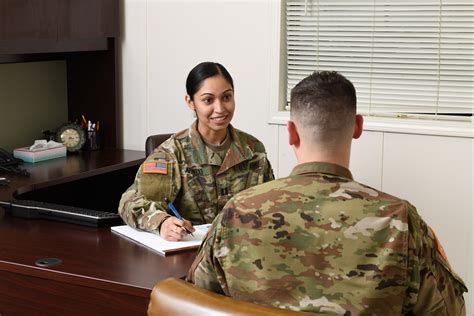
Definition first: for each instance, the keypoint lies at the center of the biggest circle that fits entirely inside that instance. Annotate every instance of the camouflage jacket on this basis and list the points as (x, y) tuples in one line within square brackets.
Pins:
[(318, 241), (195, 178)]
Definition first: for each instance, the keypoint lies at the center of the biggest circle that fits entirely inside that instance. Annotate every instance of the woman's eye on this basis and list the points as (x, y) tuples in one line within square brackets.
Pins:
[(207, 101), (228, 97)]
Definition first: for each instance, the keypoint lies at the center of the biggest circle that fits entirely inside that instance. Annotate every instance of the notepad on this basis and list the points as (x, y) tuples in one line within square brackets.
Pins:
[(156, 243)]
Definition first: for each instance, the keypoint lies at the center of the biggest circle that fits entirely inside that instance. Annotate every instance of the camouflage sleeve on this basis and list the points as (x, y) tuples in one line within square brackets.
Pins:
[(268, 171), (259, 148), (142, 206), (433, 287), (268, 175), (206, 271)]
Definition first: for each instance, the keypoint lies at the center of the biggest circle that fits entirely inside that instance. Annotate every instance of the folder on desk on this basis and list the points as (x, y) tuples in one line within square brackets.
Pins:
[(155, 242)]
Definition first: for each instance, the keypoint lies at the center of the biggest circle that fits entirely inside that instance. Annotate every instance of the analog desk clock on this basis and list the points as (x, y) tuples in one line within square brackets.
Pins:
[(72, 136)]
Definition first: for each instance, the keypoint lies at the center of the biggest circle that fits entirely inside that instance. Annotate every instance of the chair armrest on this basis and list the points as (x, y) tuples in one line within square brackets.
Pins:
[(177, 297)]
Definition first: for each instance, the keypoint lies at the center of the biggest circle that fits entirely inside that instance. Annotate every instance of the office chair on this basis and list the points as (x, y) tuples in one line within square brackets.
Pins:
[(174, 296), (154, 141)]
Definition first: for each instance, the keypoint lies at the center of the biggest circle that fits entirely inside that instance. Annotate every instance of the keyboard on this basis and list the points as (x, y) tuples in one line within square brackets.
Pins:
[(63, 213)]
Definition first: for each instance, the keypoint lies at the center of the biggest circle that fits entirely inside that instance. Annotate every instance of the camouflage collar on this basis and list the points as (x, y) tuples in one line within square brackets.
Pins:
[(321, 167), (238, 151)]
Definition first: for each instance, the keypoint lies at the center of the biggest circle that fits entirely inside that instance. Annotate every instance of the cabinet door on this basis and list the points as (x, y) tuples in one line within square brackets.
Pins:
[(28, 20), (83, 19), (58, 19)]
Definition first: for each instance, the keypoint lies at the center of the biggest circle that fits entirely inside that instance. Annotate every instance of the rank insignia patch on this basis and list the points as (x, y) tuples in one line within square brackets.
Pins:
[(155, 167)]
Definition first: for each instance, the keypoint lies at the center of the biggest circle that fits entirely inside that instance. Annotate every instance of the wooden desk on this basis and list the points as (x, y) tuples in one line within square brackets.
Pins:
[(91, 179), (101, 274)]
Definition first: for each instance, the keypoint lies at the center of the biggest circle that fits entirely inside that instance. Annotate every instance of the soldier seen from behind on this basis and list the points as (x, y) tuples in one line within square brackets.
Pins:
[(319, 241)]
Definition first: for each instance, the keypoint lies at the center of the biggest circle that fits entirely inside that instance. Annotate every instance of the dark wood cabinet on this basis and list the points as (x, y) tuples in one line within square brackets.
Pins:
[(57, 23), (101, 273), (83, 33)]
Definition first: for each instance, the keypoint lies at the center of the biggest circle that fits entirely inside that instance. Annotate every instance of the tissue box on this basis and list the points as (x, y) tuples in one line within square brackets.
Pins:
[(39, 155)]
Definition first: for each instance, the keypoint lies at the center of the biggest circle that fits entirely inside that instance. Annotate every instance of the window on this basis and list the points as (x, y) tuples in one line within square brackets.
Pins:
[(405, 57)]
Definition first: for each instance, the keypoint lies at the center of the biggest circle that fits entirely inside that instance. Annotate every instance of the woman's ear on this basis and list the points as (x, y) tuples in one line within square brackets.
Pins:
[(358, 126), (293, 136), (189, 102)]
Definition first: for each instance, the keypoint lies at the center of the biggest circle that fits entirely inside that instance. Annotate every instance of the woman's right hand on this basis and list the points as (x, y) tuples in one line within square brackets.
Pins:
[(173, 229)]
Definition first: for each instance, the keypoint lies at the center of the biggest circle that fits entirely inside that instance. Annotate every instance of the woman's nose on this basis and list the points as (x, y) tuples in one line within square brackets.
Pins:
[(218, 106)]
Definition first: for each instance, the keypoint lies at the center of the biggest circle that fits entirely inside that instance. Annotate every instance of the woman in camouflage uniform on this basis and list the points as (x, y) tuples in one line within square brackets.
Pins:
[(199, 169)]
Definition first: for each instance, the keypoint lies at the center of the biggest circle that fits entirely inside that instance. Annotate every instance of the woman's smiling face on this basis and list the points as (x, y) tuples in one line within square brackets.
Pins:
[(214, 105)]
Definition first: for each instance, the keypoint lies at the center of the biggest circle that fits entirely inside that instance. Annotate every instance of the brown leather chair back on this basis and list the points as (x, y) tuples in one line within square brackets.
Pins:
[(154, 141), (177, 297)]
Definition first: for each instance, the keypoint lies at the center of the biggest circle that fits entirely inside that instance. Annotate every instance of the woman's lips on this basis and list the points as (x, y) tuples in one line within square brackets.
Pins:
[(219, 119)]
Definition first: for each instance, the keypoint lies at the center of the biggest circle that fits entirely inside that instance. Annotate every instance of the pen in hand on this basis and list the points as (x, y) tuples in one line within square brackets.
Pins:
[(176, 213)]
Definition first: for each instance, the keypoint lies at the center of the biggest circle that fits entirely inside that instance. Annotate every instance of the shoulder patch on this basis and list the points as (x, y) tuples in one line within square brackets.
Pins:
[(160, 167), (439, 246)]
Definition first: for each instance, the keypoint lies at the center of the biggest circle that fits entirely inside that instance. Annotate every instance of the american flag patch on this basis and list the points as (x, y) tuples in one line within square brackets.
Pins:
[(155, 167)]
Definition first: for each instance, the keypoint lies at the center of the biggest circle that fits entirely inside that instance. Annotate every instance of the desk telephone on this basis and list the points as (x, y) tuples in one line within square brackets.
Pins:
[(7, 159), (9, 164)]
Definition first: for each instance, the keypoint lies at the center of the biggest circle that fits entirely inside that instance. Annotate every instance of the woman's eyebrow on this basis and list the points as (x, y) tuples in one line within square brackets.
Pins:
[(211, 94), (206, 93)]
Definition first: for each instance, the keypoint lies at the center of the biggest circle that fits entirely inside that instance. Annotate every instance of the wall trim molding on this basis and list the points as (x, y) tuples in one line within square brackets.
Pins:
[(402, 125)]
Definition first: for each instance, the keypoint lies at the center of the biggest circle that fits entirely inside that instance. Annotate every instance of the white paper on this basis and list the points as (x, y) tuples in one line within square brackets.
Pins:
[(157, 243)]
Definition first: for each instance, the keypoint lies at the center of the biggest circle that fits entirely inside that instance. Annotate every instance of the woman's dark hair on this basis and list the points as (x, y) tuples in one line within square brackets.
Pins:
[(203, 71)]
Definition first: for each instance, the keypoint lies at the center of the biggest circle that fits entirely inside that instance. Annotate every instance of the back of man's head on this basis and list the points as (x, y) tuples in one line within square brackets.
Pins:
[(323, 105)]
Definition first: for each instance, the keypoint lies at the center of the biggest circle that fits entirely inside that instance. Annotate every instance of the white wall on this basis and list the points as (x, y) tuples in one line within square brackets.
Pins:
[(434, 173), (163, 40)]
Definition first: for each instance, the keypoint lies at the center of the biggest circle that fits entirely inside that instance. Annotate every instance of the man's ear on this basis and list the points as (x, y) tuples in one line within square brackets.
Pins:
[(358, 126), (189, 102), (293, 136)]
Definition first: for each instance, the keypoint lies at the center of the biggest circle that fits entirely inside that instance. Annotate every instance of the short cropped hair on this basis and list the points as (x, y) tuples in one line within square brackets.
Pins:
[(325, 105)]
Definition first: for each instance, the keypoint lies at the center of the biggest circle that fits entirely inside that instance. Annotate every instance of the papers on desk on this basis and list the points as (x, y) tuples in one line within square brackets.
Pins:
[(155, 242)]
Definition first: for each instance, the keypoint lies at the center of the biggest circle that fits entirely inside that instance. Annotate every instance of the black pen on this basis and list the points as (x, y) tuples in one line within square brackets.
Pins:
[(176, 213)]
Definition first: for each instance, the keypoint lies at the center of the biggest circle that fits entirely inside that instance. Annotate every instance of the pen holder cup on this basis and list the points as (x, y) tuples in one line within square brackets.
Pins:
[(93, 140)]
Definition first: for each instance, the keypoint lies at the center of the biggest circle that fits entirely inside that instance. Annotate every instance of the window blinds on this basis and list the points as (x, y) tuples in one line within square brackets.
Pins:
[(409, 56)]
